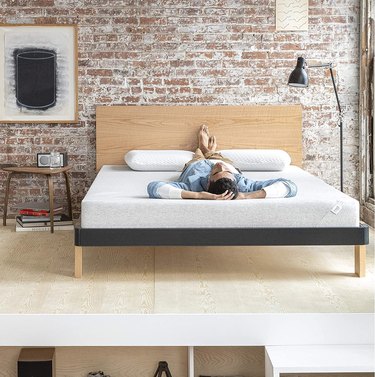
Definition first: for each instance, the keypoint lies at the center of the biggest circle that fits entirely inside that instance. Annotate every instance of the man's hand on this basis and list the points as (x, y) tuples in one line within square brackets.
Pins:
[(203, 195), (226, 195)]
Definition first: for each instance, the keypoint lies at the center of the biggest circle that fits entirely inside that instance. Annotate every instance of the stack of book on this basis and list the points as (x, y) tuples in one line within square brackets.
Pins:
[(38, 220)]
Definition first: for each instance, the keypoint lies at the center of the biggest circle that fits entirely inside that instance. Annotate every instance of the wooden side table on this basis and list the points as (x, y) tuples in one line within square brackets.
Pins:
[(49, 172)]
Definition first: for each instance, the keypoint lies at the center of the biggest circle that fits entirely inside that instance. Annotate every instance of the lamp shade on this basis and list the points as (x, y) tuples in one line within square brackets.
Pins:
[(299, 78)]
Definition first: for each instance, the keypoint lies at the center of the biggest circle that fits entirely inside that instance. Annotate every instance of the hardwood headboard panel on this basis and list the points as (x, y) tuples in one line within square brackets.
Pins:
[(123, 128)]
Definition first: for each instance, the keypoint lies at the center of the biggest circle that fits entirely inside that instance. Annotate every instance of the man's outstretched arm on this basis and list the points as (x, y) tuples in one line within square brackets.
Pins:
[(260, 194), (166, 190), (272, 188)]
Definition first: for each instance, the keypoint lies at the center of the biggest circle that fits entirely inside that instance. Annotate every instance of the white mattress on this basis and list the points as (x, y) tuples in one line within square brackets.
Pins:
[(118, 199)]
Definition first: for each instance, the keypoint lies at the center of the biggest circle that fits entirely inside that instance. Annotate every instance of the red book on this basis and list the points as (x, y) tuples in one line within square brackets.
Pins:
[(38, 212), (31, 212)]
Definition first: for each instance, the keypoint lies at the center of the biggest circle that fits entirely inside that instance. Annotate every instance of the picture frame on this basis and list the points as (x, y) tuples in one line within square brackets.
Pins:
[(38, 73), (292, 15)]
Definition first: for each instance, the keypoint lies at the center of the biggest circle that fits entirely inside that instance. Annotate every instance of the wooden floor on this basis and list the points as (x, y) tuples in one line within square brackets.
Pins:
[(36, 276)]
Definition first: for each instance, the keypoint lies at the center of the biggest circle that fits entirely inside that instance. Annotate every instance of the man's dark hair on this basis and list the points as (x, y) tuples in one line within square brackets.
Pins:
[(222, 185)]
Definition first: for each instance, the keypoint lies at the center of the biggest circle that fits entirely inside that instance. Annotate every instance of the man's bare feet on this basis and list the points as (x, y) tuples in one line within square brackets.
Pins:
[(203, 138), (212, 144)]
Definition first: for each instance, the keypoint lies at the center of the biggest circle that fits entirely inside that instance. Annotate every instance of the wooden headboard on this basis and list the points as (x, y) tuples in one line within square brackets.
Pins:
[(123, 128)]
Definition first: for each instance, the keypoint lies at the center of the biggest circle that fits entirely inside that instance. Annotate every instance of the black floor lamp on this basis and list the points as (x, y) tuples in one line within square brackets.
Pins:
[(299, 79)]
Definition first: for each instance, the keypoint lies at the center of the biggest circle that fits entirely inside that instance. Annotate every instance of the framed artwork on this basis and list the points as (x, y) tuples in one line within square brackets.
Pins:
[(292, 15), (38, 74)]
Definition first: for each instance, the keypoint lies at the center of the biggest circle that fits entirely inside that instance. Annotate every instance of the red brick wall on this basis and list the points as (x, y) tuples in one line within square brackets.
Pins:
[(193, 52)]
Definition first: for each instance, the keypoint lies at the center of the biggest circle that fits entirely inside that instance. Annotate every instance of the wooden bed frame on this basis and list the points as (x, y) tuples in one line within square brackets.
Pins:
[(123, 128)]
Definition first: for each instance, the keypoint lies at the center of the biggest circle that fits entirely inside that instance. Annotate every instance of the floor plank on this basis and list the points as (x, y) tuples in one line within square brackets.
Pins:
[(36, 276)]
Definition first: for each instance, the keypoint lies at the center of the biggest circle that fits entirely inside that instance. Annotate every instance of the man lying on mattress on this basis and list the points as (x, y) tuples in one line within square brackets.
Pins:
[(211, 176)]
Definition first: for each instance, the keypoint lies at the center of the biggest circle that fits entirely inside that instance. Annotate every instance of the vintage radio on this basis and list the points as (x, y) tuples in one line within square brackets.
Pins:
[(43, 160)]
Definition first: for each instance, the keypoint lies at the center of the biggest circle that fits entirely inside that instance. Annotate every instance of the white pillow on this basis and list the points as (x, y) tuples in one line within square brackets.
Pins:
[(157, 160), (258, 159)]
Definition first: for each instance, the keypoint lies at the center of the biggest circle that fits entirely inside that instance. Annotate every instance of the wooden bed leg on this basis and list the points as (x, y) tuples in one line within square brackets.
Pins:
[(78, 261), (360, 260)]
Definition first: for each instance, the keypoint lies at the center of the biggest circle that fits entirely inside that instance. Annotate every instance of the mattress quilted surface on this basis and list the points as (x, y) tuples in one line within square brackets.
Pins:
[(118, 199)]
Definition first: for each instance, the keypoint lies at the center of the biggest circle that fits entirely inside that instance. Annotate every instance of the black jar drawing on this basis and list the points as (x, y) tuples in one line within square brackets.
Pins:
[(35, 78)]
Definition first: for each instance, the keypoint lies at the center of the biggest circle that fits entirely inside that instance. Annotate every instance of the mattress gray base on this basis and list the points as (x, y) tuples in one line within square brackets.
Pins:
[(222, 237)]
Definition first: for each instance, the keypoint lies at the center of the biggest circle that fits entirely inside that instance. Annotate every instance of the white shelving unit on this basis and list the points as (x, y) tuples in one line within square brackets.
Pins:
[(196, 343), (191, 361), (319, 359), (186, 329)]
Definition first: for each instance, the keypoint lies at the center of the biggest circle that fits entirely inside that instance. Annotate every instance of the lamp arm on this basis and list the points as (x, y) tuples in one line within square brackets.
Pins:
[(341, 130), (330, 66), (335, 89), (324, 65)]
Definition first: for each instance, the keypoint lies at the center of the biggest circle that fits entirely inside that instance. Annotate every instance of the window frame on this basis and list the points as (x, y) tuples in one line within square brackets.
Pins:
[(366, 110)]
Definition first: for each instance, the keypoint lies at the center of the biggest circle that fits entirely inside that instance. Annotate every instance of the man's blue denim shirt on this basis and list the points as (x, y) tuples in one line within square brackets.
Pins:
[(195, 178)]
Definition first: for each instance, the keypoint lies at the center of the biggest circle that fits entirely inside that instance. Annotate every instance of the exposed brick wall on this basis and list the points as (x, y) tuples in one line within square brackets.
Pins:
[(192, 52)]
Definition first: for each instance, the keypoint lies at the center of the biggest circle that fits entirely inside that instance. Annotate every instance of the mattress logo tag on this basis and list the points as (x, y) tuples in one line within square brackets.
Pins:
[(337, 208)]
